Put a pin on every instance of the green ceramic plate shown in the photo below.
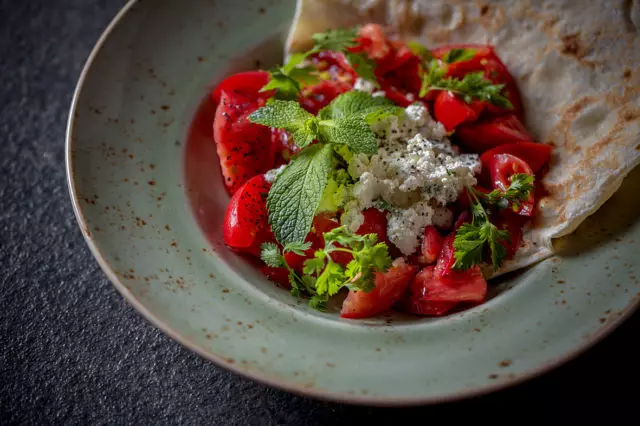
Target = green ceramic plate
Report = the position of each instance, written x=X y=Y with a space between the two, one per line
x=145 y=184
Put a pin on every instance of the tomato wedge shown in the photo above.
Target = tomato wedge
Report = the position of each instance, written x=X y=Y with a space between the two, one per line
x=248 y=83
x=502 y=167
x=536 y=155
x=446 y=258
x=452 y=111
x=277 y=275
x=390 y=287
x=431 y=245
x=486 y=134
x=459 y=286
x=245 y=149
x=486 y=60
x=316 y=97
x=246 y=224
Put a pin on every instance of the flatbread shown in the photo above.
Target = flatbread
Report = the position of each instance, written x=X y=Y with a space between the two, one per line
x=577 y=65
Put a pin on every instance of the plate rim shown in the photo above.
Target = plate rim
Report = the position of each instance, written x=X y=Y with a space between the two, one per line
x=283 y=384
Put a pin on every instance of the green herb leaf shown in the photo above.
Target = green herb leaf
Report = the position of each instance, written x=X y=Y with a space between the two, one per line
x=470 y=241
x=297 y=247
x=472 y=86
x=319 y=302
x=331 y=280
x=458 y=55
x=352 y=131
x=271 y=256
x=338 y=40
x=290 y=116
x=353 y=103
x=363 y=66
x=518 y=191
x=420 y=50
x=295 y=195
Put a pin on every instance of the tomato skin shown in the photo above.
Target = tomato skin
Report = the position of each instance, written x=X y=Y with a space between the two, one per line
x=431 y=245
x=459 y=286
x=245 y=149
x=316 y=97
x=279 y=276
x=248 y=83
x=375 y=222
x=446 y=258
x=512 y=222
x=536 y=155
x=390 y=286
x=486 y=134
x=486 y=60
x=246 y=223
x=452 y=111
x=502 y=167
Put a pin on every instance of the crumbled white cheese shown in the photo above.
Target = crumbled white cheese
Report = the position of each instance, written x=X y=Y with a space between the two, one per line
x=364 y=85
x=443 y=217
x=416 y=170
x=352 y=217
x=271 y=175
x=406 y=226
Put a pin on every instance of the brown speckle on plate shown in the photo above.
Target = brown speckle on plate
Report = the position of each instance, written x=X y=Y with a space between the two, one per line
x=505 y=363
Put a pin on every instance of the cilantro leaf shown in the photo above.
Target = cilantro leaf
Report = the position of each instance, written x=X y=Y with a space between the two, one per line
x=290 y=116
x=470 y=241
x=363 y=66
x=472 y=86
x=518 y=191
x=420 y=50
x=458 y=55
x=351 y=131
x=271 y=256
x=338 y=40
x=331 y=280
x=295 y=195
x=319 y=302
x=315 y=265
x=297 y=247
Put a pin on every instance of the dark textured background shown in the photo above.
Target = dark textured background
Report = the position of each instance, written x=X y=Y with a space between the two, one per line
x=72 y=350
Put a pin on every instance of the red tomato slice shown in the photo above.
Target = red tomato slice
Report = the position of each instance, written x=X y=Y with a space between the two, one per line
x=512 y=223
x=537 y=155
x=277 y=275
x=246 y=224
x=295 y=261
x=452 y=111
x=373 y=41
x=502 y=167
x=335 y=63
x=248 y=83
x=486 y=134
x=446 y=258
x=316 y=97
x=431 y=245
x=375 y=222
x=390 y=287
x=486 y=60
x=458 y=286
x=244 y=148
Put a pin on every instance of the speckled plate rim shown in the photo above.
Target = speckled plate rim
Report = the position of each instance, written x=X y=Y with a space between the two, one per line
x=263 y=379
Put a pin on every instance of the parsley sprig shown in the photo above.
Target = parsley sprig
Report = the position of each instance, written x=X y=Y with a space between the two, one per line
x=473 y=86
x=288 y=79
x=473 y=239
x=323 y=277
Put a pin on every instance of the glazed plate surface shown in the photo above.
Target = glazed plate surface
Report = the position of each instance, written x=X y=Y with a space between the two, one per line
x=148 y=195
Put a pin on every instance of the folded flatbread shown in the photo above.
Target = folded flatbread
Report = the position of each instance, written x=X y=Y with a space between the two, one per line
x=577 y=65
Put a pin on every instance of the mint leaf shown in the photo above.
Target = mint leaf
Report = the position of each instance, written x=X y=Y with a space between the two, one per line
x=286 y=87
x=338 y=40
x=351 y=131
x=458 y=55
x=295 y=195
x=352 y=103
x=290 y=116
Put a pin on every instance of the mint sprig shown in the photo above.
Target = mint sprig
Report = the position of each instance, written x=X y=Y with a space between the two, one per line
x=295 y=195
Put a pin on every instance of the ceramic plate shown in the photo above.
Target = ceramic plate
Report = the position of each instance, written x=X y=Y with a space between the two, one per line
x=147 y=192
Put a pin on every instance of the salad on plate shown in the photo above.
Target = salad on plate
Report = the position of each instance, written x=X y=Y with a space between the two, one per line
x=401 y=176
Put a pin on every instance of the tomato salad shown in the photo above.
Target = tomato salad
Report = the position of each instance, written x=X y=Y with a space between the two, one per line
x=378 y=168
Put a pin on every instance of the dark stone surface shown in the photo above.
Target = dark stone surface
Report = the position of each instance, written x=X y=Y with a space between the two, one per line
x=72 y=350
